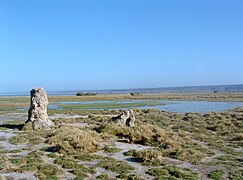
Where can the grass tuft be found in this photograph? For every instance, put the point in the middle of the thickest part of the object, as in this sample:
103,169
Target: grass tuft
72,139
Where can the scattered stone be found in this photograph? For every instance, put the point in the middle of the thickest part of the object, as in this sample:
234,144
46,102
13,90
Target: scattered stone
37,113
127,118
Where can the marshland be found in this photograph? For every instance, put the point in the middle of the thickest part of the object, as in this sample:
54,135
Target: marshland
121,89
161,145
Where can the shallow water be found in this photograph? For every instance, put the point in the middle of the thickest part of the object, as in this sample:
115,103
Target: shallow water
175,106
166,105
196,106
103,101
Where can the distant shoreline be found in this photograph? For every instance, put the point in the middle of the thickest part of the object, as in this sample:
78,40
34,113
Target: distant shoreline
237,88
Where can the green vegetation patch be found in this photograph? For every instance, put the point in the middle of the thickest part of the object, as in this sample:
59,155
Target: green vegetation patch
78,169
148,157
67,163
30,162
129,177
217,174
236,175
81,171
171,144
111,149
33,163
111,105
171,172
35,137
86,157
115,165
48,171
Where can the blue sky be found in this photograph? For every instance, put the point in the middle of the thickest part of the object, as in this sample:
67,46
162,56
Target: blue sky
103,44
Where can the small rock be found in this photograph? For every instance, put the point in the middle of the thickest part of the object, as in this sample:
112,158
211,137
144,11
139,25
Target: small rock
127,118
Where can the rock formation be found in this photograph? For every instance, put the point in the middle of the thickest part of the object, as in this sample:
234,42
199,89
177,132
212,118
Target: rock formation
37,113
127,118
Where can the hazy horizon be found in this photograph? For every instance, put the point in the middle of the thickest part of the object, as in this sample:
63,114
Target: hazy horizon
126,90
85,45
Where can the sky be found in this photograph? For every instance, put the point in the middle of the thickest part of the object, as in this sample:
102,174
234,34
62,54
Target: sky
115,44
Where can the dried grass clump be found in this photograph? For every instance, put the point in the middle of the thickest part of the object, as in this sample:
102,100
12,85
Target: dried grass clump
148,134
27,126
188,155
148,156
113,129
48,171
224,123
72,139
